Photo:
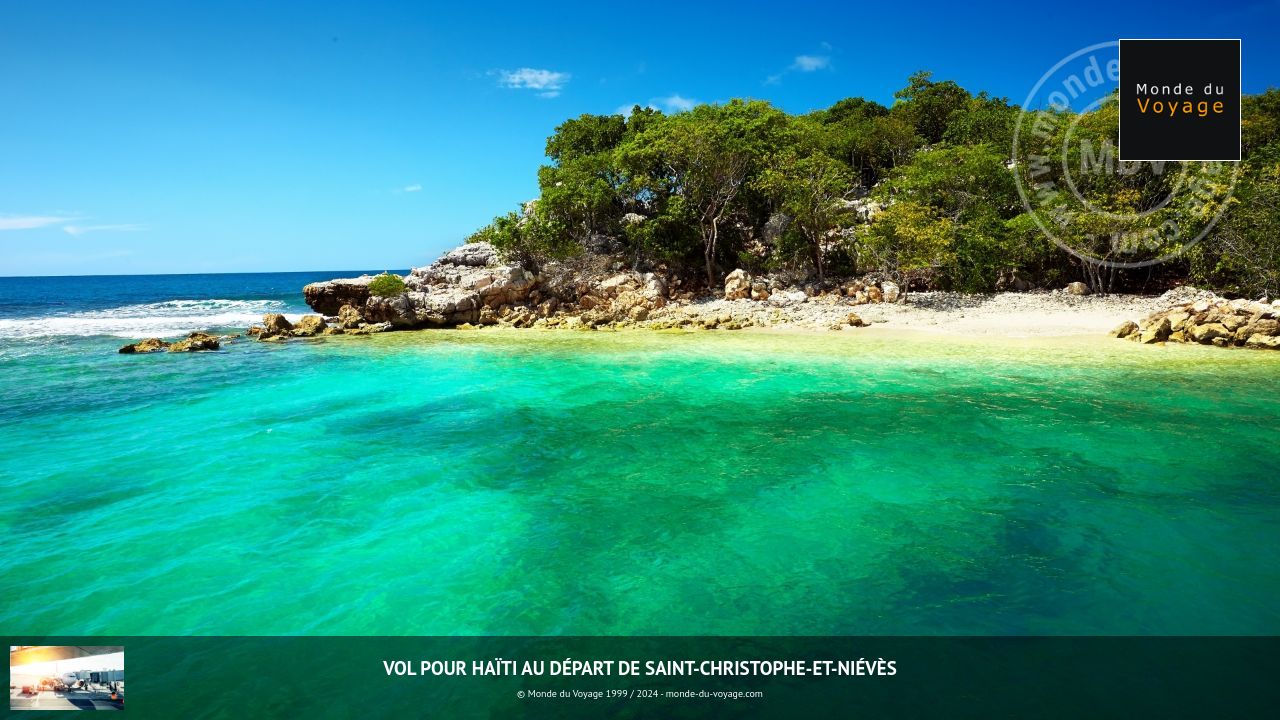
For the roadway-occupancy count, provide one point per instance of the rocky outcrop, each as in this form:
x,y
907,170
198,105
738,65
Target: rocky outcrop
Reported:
x,y
475,287
149,345
193,342
1215,321
196,342
737,285
450,291
1077,288
309,326
328,297
436,306
348,318
275,324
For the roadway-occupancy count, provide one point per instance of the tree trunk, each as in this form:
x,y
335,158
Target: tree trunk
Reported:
x,y
709,253
815,250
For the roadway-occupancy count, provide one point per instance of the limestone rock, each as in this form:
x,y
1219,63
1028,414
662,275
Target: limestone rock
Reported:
x,y
437,306
349,317
737,285
477,254
195,342
1157,331
1263,342
370,329
784,298
1077,288
328,297
655,289
276,324
1207,333
310,325
1125,329
145,346
875,294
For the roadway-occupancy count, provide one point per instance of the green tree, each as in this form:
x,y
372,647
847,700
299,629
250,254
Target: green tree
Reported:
x,y
928,105
906,238
985,120
530,238
706,157
810,188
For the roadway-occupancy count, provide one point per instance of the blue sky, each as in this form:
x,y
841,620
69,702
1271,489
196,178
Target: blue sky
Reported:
x,y
148,137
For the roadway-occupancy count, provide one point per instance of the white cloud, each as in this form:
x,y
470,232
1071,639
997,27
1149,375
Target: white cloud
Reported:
x,y
29,222
416,187
118,227
804,64
676,103
549,83
811,63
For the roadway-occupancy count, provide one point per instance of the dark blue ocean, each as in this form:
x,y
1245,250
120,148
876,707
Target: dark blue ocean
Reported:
x,y
137,306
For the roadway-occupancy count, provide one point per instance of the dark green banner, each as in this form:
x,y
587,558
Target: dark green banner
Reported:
x,y
344,677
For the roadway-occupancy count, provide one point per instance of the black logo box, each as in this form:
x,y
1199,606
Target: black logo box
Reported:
x,y
1186,69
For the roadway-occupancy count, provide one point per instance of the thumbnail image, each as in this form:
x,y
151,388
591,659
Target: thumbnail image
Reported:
x,y
66,677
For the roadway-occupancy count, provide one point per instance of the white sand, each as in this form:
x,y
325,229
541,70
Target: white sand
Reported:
x,y
1011,314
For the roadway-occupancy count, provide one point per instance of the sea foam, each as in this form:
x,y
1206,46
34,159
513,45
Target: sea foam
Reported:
x,y
160,319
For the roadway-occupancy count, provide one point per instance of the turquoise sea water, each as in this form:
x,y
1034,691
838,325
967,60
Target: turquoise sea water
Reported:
x,y
527,482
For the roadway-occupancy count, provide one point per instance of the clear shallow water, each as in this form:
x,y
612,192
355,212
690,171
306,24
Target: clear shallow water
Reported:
x,y
638,483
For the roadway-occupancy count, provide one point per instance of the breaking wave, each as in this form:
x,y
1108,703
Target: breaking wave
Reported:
x,y
161,319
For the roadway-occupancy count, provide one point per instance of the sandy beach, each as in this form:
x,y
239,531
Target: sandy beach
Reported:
x,y
1009,315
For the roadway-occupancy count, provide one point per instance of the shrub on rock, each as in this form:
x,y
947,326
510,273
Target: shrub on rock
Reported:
x,y
386,285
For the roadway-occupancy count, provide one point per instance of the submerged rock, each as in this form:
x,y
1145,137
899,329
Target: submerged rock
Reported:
x,y
370,329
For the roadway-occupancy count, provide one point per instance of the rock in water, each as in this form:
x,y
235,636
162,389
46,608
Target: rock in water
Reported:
x,y
1126,328
1157,331
328,297
310,325
196,342
275,324
1210,321
145,346
737,285
1077,288
349,317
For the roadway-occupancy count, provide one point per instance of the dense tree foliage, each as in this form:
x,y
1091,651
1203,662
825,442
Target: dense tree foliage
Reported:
x,y
924,191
